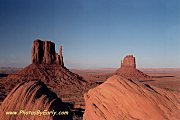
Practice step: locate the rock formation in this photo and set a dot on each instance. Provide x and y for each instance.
(122, 99)
(48, 67)
(43, 52)
(129, 71)
(61, 56)
(27, 98)
(129, 62)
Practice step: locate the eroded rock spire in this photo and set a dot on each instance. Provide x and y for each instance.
(61, 56)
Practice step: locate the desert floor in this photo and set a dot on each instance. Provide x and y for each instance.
(166, 78)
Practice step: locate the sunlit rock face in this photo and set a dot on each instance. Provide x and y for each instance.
(129, 62)
(122, 99)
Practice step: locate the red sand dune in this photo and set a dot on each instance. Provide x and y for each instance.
(119, 99)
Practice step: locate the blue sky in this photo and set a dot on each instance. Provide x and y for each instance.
(94, 33)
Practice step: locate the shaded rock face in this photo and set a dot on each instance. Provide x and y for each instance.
(44, 52)
(129, 71)
(33, 96)
(122, 99)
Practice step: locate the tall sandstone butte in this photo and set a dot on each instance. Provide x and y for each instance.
(128, 69)
(48, 66)
(129, 62)
(43, 52)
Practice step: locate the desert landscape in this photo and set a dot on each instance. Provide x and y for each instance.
(88, 94)
(89, 60)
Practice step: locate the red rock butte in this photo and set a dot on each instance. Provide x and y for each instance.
(128, 62)
(48, 67)
(129, 71)
(44, 52)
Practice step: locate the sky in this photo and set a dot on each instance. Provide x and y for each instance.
(94, 33)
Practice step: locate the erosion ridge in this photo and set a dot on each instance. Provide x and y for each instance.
(33, 96)
(119, 98)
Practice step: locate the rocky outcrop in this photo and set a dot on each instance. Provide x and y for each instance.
(32, 101)
(57, 59)
(122, 99)
(128, 62)
(69, 86)
(129, 71)
(43, 52)
(48, 66)
(61, 57)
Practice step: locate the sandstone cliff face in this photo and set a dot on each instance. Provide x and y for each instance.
(43, 52)
(129, 71)
(32, 96)
(122, 99)
(129, 62)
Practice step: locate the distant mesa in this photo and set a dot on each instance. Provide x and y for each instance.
(129, 71)
(29, 97)
(44, 52)
(122, 99)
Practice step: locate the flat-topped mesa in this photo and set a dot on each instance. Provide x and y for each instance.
(43, 52)
(128, 62)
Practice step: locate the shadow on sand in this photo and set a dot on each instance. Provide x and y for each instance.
(164, 76)
(3, 75)
(146, 80)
